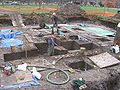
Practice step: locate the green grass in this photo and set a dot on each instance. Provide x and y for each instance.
(99, 8)
(52, 6)
(27, 6)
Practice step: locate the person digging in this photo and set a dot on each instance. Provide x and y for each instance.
(51, 44)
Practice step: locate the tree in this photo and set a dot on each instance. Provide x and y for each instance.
(109, 3)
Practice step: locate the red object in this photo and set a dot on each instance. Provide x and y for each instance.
(6, 72)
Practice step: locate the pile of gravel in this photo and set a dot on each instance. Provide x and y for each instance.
(71, 10)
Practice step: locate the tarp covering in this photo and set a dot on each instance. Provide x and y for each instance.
(98, 31)
(70, 25)
(83, 25)
(6, 35)
(5, 30)
(81, 38)
(8, 42)
(30, 83)
(48, 26)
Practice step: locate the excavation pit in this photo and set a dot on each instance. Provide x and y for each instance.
(75, 45)
(103, 39)
(81, 65)
(74, 37)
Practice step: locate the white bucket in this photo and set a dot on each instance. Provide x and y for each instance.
(115, 49)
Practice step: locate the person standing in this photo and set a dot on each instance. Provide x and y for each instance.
(55, 20)
(55, 23)
(51, 45)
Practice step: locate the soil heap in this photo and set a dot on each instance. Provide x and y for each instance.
(117, 16)
(71, 10)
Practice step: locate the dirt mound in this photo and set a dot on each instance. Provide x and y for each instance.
(117, 16)
(70, 10)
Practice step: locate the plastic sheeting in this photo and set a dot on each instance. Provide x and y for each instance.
(70, 25)
(6, 35)
(48, 26)
(98, 31)
(8, 42)
(83, 25)
(6, 30)
(82, 38)
(30, 83)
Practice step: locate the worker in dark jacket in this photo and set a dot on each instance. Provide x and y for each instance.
(55, 20)
(51, 44)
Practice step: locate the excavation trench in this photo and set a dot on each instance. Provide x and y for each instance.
(81, 65)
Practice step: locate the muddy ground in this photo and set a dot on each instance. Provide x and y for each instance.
(96, 78)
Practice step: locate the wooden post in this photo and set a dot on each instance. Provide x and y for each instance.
(117, 36)
(13, 48)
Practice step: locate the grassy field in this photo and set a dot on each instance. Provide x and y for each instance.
(27, 6)
(114, 10)
(53, 6)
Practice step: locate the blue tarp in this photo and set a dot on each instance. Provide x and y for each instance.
(61, 32)
(81, 38)
(8, 42)
(9, 35)
(5, 30)
(30, 83)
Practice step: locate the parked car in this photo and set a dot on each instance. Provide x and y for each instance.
(14, 3)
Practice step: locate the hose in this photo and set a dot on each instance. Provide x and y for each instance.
(56, 70)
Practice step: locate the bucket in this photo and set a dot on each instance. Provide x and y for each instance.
(115, 49)
(82, 50)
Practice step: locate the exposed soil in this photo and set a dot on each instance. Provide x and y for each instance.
(96, 78)
(70, 10)
(117, 16)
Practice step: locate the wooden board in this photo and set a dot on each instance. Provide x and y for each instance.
(28, 38)
(26, 75)
(60, 48)
(104, 60)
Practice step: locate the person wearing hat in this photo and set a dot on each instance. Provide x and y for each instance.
(55, 20)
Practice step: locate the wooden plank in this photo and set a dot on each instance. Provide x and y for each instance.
(23, 76)
(60, 48)
(104, 60)
(28, 38)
